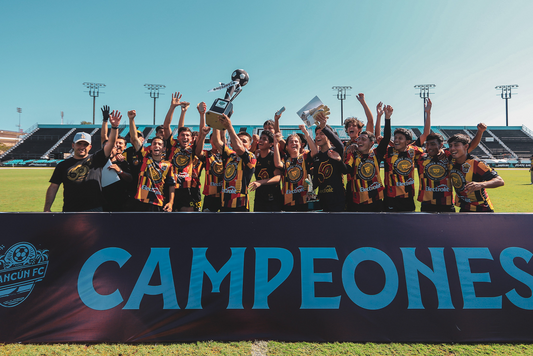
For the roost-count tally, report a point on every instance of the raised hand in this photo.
(114, 118)
(175, 101)
(132, 114)
(379, 109)
(206, 130)
(388, 111)
(481, 127)
(303, 129)
(225, 121)
(427, 105)
(321, 119)
(184, 106)
(278, 137)
(105, 112)
(202, 108)
(360, 97)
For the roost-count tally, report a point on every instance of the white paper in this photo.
(109, 176)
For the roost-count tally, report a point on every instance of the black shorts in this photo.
(374, 207)
(332, 202)
(269, 203)
(399, 204)
(433, 208)
(187, 197)
(211, 203)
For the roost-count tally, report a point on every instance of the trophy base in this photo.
(220, 107)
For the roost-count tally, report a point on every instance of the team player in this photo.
(328, 167)
(471, 177)
(81, 174)
(155, 173)
(296, 167)
(116, 194)
(267, 176)
(364, 188)
(239, 166)
(400, 161)
(182, 155)
(354, 126)
(435, 190)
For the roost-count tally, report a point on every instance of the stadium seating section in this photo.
(32, 150)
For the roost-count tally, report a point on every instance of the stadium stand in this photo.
(49, 144)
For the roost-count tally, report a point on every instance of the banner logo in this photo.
(20, 268)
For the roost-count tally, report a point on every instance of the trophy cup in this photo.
(220, 107)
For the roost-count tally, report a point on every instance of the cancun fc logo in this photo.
(21, 267)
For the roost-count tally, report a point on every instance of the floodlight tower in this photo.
(94, 91)
(424, 94)
(154, 92)
(506, 94)
(19, 110)
(341, 95)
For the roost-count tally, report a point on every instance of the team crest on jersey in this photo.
(181, 159)
(156, 174)
(458, 179)
(325, 170)
(230, 172)
(263, 174)
(436, 170)
(217, 169)
(20, 268)
(78, 173)
(295, 173)
(366, 170)
(465, 167)
(403, 166)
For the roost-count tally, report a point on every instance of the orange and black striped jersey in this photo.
(214, 173)
(435, 186)
(472, 170)
(295, 171)
(183, 161)
(153, 177)
(197, 167)
(399, 171)
(365, 185)
(238, 172)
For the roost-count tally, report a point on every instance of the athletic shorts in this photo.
(212, 203)
(399, 204)
(187, 197)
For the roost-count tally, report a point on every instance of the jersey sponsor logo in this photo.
(78, 173)
(374, 186)
(410, 181)
(458, 179)
(436, 170)
(327, 189)
(20, 268)
(403, 166)
(441, 188)
(153, 190)
(366, 170)
(230, 172)
(325, 170)
(219, 184)
(295, 173)
(229, 190)
(298, 189)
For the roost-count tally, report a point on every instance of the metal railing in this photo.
(60, 141)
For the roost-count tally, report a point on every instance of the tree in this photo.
(86, 123)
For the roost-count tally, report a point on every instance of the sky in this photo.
(292, 50)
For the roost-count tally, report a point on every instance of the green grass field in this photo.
(23, 190)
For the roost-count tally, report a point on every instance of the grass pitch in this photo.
(23, 190)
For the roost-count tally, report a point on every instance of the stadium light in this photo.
(94, 91)
(341, 95)
(19, 110)
(506, 94)
(424, 94)
(154, 92)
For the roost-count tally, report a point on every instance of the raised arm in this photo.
(427, 121)
(368, 113)
(184, 106)
(277, 155)
(382, 146)
(204, 131)
(103, 130)
(236, 142)
(134, 139)
(202, 108)
(379, 113)
(481, 127)
(333, 139)
(114, 120)
(310, 142)
(217, 140)
(175, 101)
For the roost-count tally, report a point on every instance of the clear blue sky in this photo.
(293, 50)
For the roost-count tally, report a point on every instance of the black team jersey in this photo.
(264, 169)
